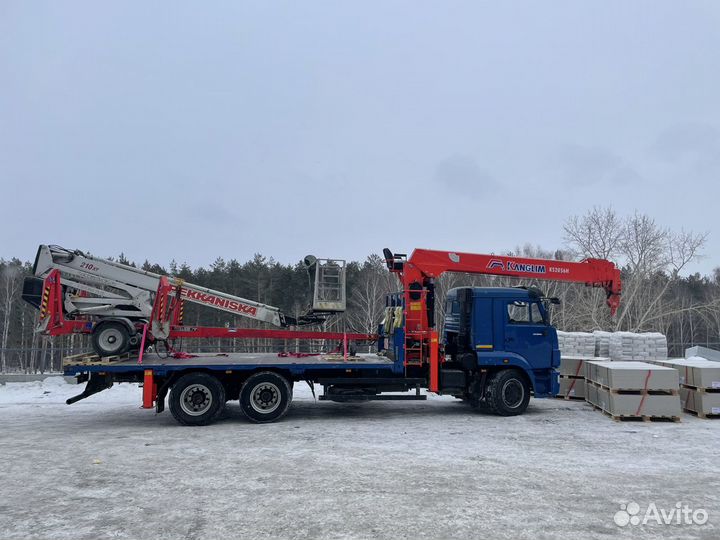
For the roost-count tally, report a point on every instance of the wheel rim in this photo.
(196, 399)
(110, 339)
(513, 393)
(265, 398)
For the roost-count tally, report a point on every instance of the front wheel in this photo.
(196, 399)
(507, 393)
(265, 396)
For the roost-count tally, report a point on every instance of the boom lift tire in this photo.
(265, 397)
(197, 399)
(507, 393)
(110, 338)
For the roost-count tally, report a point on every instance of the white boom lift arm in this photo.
(110, 290)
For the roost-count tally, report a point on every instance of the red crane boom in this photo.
(418, 273)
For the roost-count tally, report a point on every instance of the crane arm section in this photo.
(426, 264)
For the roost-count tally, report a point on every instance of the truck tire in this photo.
(110, 339)
(197, 399)
(265, 397)
(507, 393)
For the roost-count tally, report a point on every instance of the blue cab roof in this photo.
(496, 292)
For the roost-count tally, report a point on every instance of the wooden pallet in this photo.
(635, 392)
(639, 418)
(569, 398)
(92, 359)
(701, 390)
(702, 415)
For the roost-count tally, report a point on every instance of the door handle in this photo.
(538, 333)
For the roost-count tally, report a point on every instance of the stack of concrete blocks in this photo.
(699, 385)
(630, 346)
(602, 343)
(576, 344)
(703, 352)
(633, 390)
(572, 376)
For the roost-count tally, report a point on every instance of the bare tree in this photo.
(10, 275)
(598, 234)
(650, 256)
(368, 295)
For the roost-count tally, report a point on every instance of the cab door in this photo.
(527, 332)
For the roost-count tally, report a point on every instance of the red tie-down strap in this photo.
(180, 355)
(645, 390)
(572, 384)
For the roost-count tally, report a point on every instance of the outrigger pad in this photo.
(96, 383)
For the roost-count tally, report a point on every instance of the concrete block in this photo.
(703, 352)
(696, 371)
(638, 404)
(572, 387)
(575, 365)
(591, 395)
(632, 375)
(627, 346)
(576, 343)
(602, 343)
(702, 403)
(705, 376)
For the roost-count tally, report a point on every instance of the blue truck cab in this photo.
(489, 329)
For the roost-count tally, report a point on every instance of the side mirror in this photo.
(555, 300)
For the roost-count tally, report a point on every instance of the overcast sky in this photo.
(192, 130)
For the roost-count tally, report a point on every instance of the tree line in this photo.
(658, 295)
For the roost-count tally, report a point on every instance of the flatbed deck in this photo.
(161, 364)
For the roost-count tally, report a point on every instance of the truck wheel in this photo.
(507, 393)
(110, 339)
(196, 399)
(265, 397)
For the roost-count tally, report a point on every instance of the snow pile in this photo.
(630, 346)
(56, 390)
(576, 343)
(602, 343)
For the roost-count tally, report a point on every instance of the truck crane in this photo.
(77, 292)
(497, 347)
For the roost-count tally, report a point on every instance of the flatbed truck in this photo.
(497, 349)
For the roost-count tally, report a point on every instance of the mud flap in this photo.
(162, 393)
(97, 383)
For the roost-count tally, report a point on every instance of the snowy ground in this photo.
(103, 468)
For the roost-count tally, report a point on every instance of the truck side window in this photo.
(518, 312)
(536, 314)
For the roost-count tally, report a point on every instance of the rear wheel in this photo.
(265, 397)
(110, 339)
(507, 393)
(196, 399)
